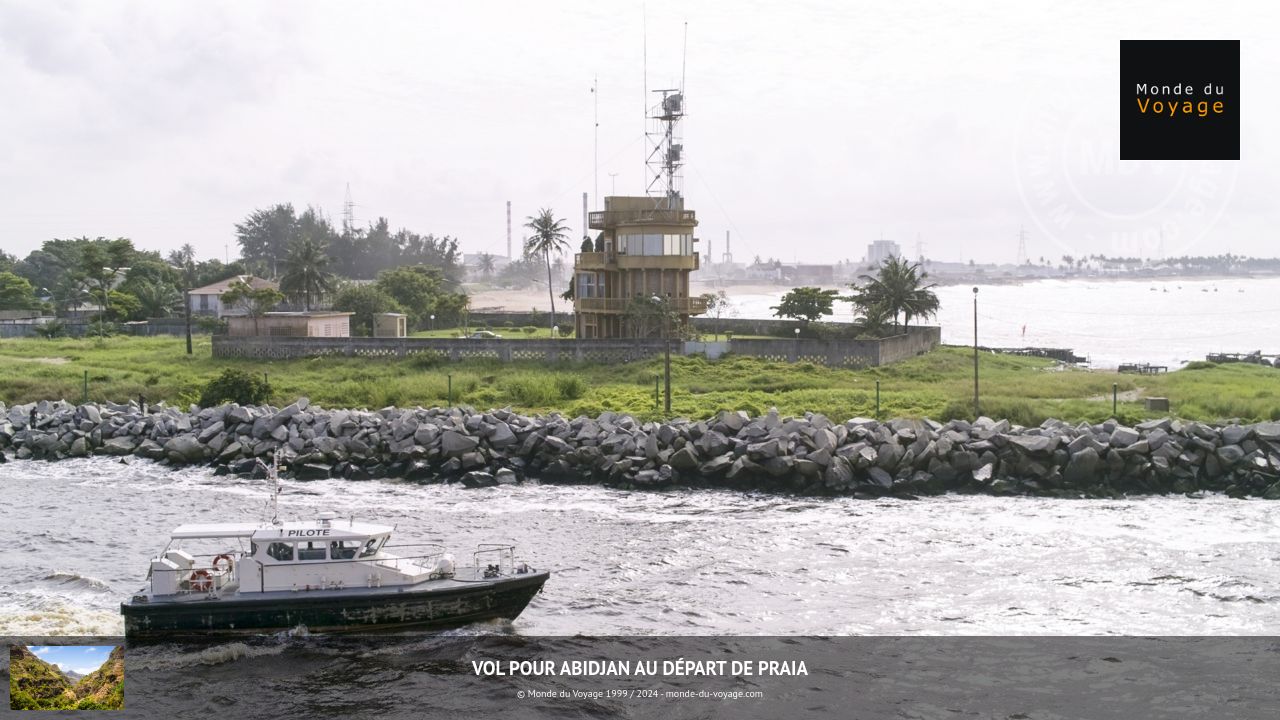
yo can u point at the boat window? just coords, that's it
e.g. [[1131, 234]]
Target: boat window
[[343, 549], [310, 552], [280, 551], [371, 547]]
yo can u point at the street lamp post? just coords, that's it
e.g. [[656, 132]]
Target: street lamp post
[[666, 354], [976, 412], [796, 347], [433, 323]]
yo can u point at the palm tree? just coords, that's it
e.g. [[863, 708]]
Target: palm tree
[[486, 264], [306, 273], [549, 235], [896, 289], [159, 300], [182, 257]]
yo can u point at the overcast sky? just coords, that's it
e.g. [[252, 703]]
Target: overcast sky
[[813, 127]]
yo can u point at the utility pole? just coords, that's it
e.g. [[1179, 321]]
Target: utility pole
[[187, 308], [509, 257], [664, 304]]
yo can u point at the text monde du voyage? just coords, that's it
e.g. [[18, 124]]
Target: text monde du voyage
[[1180, 100]]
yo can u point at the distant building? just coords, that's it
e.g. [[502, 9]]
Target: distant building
[[207, 300], [292, 324], [809, 274], [647, 251], [880, 250], [769, 270]]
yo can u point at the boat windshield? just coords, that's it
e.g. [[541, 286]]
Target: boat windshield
[[372, 546], [343, 549]]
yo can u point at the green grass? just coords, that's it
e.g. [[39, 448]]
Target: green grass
[[937, 385]]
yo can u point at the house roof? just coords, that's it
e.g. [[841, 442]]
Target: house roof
[[222, 286]]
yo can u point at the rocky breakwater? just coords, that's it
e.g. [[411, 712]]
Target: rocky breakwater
[[809, 454]]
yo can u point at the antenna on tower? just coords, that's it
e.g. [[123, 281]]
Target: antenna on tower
[[1022, 245], [595, 97], [348, 213]]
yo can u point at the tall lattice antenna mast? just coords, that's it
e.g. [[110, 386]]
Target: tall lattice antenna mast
[[1022, 246], [348, 213]]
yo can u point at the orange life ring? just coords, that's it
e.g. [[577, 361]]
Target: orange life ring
[[201, 581], [230, 562]]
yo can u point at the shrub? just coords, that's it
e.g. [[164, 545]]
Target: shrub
[[1200, 365], [570, 387], [50, 330], [101, 328], [236, 386], [211, 325], [528, 330]]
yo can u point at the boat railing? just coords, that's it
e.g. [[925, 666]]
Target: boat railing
[[498, 552]]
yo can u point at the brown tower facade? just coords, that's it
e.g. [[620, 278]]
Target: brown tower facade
[[644, 250]]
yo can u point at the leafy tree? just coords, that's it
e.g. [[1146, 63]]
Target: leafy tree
[[208, 272], [122, 306], [651, 316], [264, 236], [897, 289], [365, 301], [7, 261], [549, 236], [806, 304], [717, 306], [306, 273], [255, 302], [420, 291], [101, 263], [16, 293]]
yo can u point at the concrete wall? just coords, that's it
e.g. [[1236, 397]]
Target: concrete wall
[[836, 353]]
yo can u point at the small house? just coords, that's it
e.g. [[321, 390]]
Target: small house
[[207, 300]]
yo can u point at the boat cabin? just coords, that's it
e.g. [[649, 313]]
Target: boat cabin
[[325, 553]]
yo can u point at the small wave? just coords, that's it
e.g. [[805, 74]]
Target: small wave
[[75, 580], [62, 621], [164, 658]]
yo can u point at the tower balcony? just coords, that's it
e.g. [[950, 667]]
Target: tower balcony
[[615, 261], [680, 305]]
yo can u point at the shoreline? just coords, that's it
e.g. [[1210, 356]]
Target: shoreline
[[498, 300], [810, 455]]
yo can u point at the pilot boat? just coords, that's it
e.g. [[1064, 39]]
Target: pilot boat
[[327, 574]]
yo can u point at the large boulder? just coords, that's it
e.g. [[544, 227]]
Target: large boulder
[[455, 444], [184, 449]]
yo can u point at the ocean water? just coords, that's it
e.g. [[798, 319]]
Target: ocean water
[[1162, 322], [693, 562]]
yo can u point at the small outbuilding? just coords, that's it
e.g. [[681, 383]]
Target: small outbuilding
[[320, 324], [392, 325]]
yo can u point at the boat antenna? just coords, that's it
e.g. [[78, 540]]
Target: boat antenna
[[274, 474]]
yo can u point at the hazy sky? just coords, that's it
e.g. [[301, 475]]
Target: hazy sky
[[813, 127]]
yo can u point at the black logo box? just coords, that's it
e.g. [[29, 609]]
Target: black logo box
[[1189, 65]]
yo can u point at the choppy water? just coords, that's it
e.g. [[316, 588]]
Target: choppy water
[[1163, 322], [78, 534]]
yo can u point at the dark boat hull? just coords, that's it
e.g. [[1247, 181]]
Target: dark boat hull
[[350, 610]]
